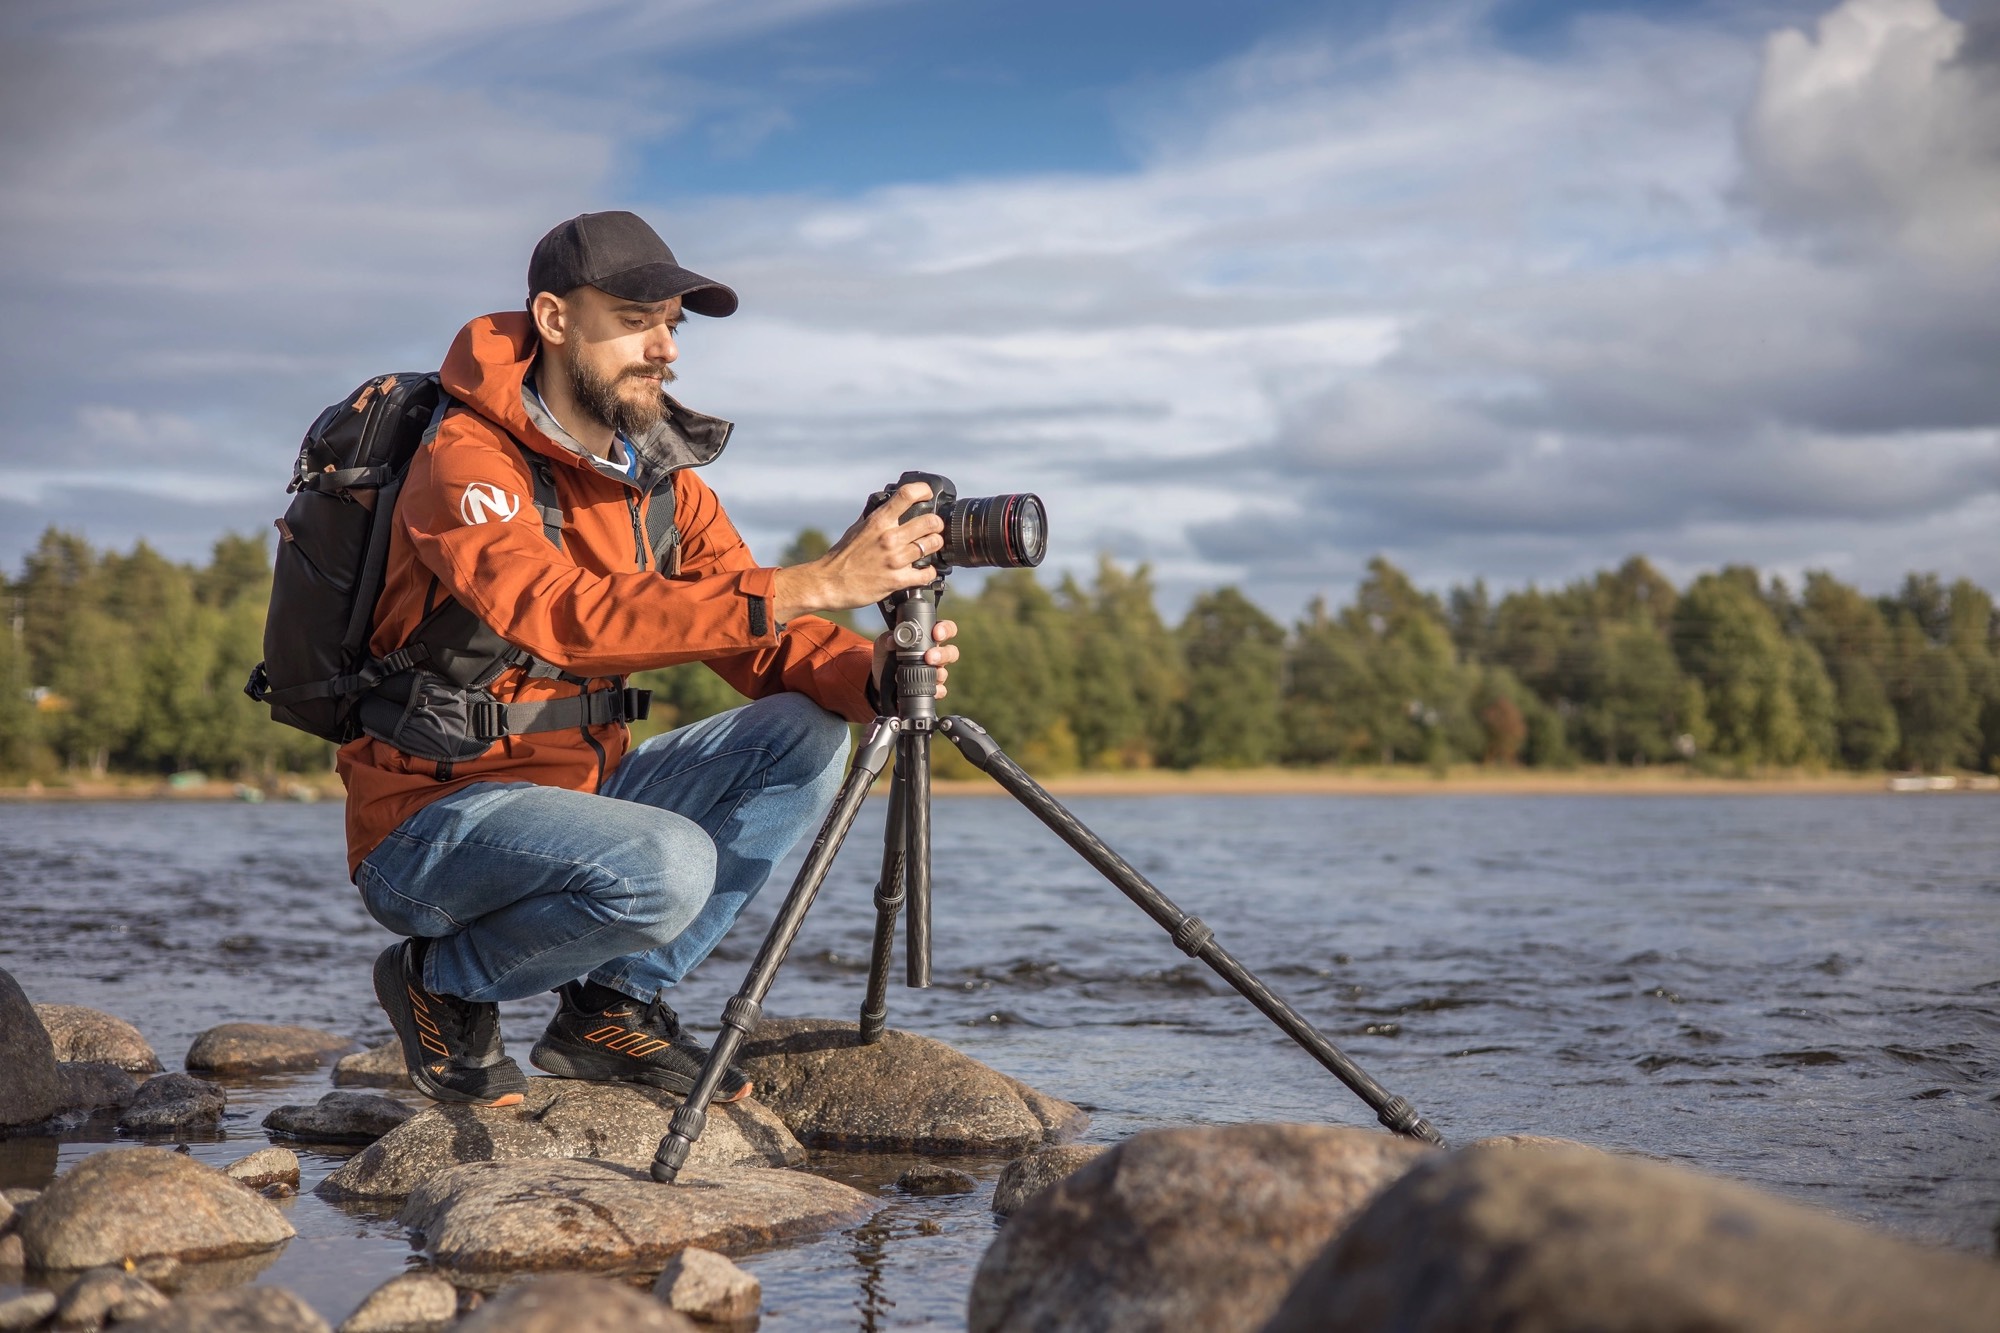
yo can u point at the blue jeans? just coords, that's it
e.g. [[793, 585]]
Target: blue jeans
[[521, 888]]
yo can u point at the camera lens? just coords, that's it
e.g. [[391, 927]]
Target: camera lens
[[1004, 531]]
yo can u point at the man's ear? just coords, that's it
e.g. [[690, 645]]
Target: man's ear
[[551, 316]]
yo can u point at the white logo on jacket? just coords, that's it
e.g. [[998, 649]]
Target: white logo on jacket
[[484, 502]]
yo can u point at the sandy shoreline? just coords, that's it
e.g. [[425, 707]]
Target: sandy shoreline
[[1466, 780]]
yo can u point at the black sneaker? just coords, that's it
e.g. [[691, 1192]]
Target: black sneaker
[[451, 1046], [600, 1035]]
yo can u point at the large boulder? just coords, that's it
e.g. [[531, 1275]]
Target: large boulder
[[340, 1117], [1564, 1241], [136, 1202], [91, 1036], [262, 1048], [573, 1303], [500, 1217], [615, 1122], [377, 1067], [1182, 1228], [904, 1093], [244, 1310], [31, 1089], [173, 1104], [1025, 1177]]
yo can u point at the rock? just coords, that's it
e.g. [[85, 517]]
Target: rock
[[173, 1104], [903, 1094], [262, 1048], [12, 1255], [26, 1310], [21, 1196], [32, 1090], [1025, 1177], [572, 1303], [1560, 1241], [340, 1117], [95, 1086], [378, 1067], [1526, 1142], [135, 1202], [703, 1285], [243, 1310], [1182, 1228], [91, 1036], [7, 1212], [408, 1303], [932, 1179], [107, 1295], [496, 1217], [614, 1122], [267, 1166]]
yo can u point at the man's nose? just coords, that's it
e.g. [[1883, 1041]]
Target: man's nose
[[662, 348]]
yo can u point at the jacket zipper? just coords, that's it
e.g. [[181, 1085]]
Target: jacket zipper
[[638, 529]]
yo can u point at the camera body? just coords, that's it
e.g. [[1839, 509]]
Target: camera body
[[991, 531]]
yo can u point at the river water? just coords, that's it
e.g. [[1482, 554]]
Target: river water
[[1799, 992]]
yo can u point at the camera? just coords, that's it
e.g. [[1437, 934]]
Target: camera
[[990, 531]]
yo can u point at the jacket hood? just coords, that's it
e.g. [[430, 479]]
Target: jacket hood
[[487, 370]]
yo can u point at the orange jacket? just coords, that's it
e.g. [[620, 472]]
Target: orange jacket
[[595, 608]]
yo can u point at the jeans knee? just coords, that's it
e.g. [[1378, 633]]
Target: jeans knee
[[809, 743], [659, 878]]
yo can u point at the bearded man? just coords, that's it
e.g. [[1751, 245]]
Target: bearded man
[[558, 856]]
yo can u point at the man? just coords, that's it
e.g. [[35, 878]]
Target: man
[[551, 858]]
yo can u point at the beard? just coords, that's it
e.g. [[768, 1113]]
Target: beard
[[603, 400]]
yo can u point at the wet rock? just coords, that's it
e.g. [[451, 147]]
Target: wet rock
[[267, 1166], [104, 1296], [262, 1048], [31, 1089], [703, 1285], [173, 1104], [496, 1217], [409, 1303], [905, 1093], [378, 1067], [572, 1303], [340, 1117], [96, 1086], [136, 1202], [931, 1179], [1025, 1177], [26, 1310], [244, 1310], [91, 1036], [12, 1255], [1557, 1241], [614, 1122], [1182, 1228]]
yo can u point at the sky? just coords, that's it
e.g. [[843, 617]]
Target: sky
[[1250, 292]]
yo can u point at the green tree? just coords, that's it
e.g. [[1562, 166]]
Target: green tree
[[1016, 673], [1730, 642], [1128, 672], [1235, 658]]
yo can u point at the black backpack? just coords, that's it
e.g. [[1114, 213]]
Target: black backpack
[[428, 696]]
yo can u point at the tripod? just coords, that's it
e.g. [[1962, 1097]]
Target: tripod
[[906, 879]]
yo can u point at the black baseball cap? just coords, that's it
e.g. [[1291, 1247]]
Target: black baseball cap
[[619, 254]]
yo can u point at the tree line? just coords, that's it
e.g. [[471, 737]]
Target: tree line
[[135, 663]]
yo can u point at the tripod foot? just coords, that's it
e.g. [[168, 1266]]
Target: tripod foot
[[873, 1025], [682, 1131]]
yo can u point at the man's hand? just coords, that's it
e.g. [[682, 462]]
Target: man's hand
[[872, 559], [939, 657]]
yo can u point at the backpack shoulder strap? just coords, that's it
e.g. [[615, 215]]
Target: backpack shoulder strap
[[661, 534], [542, 473]]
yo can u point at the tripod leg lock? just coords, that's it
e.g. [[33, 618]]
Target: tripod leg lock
[[1192, 935], [742, 1013]]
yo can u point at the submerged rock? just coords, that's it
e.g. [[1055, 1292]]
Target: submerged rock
[[703, 1285], [173, 1104], [244, 1310], [267, 1166], [105, 1296], [929, 1178], [31, 1089], [136, 1202], [340, 1117], [1182, 1228], [407, 1303], [378, 1067], [905, 1093], [26, 1310], [1562, 1241], [572, 1303], [262, 1048], [498, 1217], [560, 1118], [95, 1086], [1025, 1177], [91, 1036]]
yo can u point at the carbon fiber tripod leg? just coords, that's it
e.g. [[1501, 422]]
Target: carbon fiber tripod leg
[[889, 895]]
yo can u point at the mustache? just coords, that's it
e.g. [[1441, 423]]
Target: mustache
[[658, 374]]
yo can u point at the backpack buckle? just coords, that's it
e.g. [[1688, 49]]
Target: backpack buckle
[[488, 718], [638, 704]]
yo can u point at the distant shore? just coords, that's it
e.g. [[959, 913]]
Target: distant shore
[[1460, 780]]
